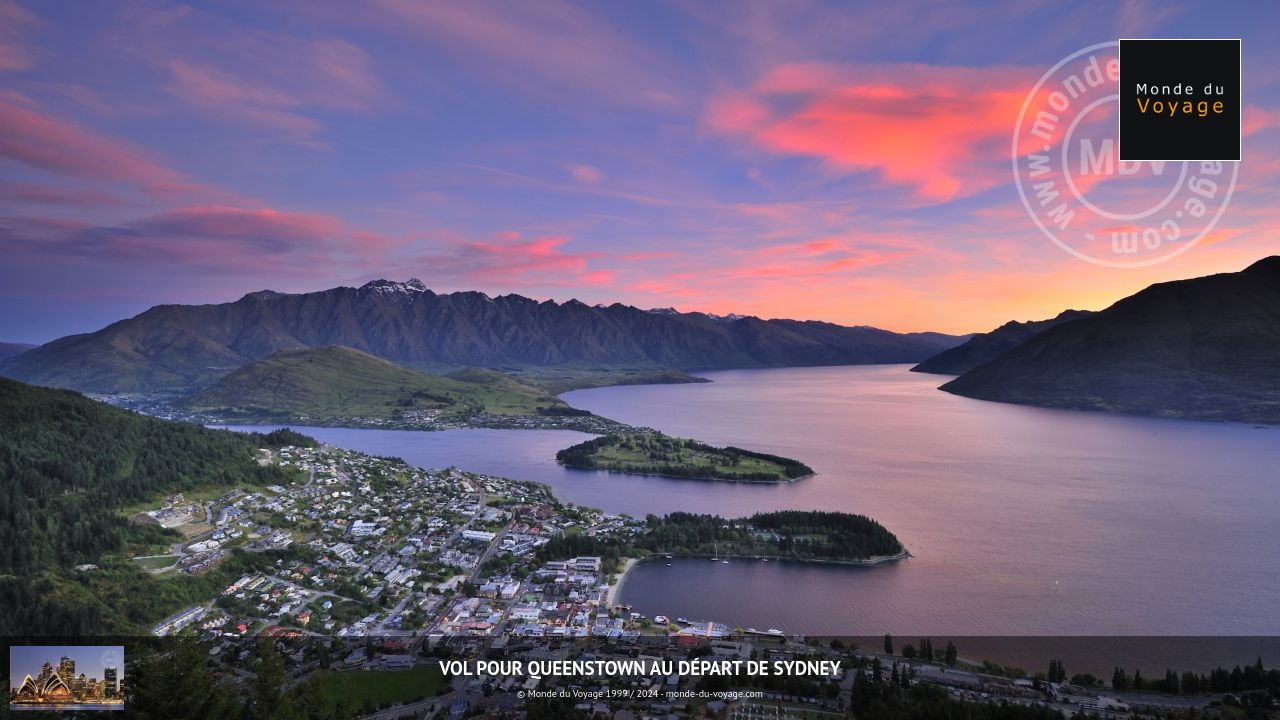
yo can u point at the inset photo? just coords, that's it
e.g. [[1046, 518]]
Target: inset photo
[[59, 678]]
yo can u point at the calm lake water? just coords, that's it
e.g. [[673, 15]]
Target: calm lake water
[[1021, 521]]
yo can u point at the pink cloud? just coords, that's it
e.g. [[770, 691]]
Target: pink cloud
[[735, 112], [816, 258], [512, 261], [231, 239], [585, 174], [233, 222], [598, 277], [276, 81], [1256, 119], [33, 194], [16, 24], [941, 131], [44, 142]]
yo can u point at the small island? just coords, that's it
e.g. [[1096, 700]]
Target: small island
[[648, 453]]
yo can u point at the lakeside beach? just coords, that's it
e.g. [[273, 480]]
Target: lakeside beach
[[613, 587]]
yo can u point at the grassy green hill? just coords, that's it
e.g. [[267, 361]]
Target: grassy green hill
[[338, 382], [656, 454], [68, 465]]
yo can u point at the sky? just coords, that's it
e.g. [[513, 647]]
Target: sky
[[27, 660], [836, 161]]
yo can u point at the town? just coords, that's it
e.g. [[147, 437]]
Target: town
[[369, 564], [373, 546]]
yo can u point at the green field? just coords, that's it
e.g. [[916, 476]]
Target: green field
[[340, 382], [657, 454], [563, 378], [156, 562], [376, 688]]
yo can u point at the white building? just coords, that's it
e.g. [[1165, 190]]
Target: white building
[[478, 536]]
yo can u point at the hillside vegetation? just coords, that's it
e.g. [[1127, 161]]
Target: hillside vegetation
[[656, 454], [809, 535], [68, 465], [337, 382]]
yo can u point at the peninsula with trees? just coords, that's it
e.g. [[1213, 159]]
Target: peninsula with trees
[[798, 535]]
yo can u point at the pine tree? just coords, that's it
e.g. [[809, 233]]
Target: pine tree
[[175, 683], [861, 694], [888, 644], [1119, 679], [951, 653], [266, 701]]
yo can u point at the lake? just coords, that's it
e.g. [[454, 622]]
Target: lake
[[1021, 521]]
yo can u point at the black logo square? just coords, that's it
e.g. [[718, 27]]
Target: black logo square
[[1180, 100]]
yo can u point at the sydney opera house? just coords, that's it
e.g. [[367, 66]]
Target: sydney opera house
[[51, 689], [59, 685]]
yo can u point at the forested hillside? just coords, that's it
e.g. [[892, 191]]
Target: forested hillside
[[792, 534], [67, 466]]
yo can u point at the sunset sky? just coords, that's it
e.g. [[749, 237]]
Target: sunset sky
[[783, 159]]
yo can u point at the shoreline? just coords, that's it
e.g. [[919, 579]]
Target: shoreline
[[872, 561], [582, 424], [862, 562], [612, 591], [780, 481]]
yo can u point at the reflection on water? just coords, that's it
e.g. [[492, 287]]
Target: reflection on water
[[1022, 521]]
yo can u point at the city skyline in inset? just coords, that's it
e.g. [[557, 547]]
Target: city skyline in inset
[[90, 660]]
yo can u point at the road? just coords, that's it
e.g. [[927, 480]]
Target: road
[[488, 552]]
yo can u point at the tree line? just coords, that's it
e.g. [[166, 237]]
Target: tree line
[[799, 534], [669, 456], [1219, 680], [68, 465], [802, 535]]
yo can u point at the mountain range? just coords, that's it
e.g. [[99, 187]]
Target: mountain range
[[188, 347], [1206, 348], [985, 347]]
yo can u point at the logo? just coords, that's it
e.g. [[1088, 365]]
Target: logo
[[1180, 99], [1089, 202]]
